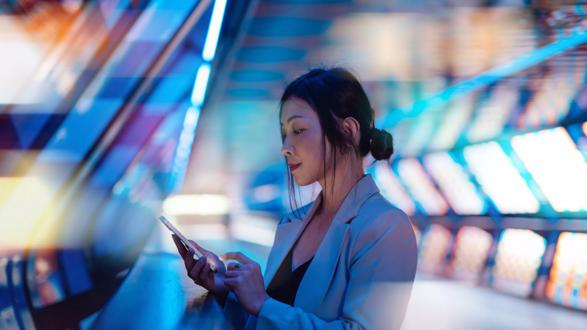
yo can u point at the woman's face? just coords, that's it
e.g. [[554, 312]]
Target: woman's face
[[302, 141]]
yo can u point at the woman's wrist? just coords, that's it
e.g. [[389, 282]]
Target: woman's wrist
[[221, 297], [259, 304]]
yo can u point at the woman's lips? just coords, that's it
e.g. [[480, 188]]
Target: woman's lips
[[293, 167]]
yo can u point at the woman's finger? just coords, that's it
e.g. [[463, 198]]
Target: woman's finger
[[232, 283], [243, 259], [233, 273], [206, 268], [187, 258], [180, 247], [195, 271], [233, 266]]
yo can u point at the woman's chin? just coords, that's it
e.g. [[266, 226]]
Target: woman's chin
[[302, 182]]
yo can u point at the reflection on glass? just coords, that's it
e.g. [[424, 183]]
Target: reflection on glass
[[46, 286]]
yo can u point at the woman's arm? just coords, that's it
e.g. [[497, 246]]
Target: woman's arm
[[234, 311], [381, 275]]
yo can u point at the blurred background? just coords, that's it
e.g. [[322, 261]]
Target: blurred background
[[115, 111]]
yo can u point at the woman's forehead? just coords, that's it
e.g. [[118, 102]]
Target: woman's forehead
[[296, 108]]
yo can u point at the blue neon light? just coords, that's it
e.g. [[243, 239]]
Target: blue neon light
[[486, 78], [200, 85], [184, 146], [214, 30]]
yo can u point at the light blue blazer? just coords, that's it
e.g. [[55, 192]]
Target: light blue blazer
[[361, 275]]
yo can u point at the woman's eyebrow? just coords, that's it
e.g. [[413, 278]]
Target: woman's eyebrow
[[292, 118]]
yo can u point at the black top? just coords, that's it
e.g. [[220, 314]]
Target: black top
[[285, 283]]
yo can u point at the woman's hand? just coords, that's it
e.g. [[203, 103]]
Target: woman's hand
[[246, 281], [199, 270]]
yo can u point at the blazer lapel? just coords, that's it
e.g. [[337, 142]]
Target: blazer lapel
[[286, 235], [322, 268]]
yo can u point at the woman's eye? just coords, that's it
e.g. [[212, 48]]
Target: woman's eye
[[298, 131]]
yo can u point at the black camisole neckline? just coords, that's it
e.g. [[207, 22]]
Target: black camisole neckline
[[286, 281]]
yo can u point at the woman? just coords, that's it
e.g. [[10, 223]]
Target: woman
[[348, 259]]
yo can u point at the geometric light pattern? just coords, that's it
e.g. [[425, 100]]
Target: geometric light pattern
[[455, 118], [551, 103], [455, 184], [392, 189], [500, 179], [421, 188], [519, 254], [557, 166], [434, 245], [470, 253], [493, 114], [568, 275]]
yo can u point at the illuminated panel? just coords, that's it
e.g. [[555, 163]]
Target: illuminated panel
[[472, 247], [392, 189], [454, 184], [493, 114], [500, 179], [457, 115], [434, 245], [519, 254], [552, 102], [557, 167], [412, 173], [421, 131], [568, 276]]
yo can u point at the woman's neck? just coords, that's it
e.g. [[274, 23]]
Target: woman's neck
[[337, 185]]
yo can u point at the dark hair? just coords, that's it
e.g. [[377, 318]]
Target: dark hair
[[336, 94]]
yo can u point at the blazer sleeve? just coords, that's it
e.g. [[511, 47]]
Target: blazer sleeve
[[234, 312], [382, 269]]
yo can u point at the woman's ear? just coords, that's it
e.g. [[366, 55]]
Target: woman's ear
[[352, 129]]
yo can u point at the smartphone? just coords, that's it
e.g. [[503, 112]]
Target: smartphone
[[189, 245]]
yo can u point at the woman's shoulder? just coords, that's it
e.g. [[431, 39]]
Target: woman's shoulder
[[377, 207], [377, 217]]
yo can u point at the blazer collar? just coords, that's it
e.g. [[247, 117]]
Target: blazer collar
[[329, 250], [363, 189]]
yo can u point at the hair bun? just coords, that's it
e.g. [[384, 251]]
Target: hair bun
[[381, 144]]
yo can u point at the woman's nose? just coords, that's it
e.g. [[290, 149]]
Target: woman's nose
[[286, 149]]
